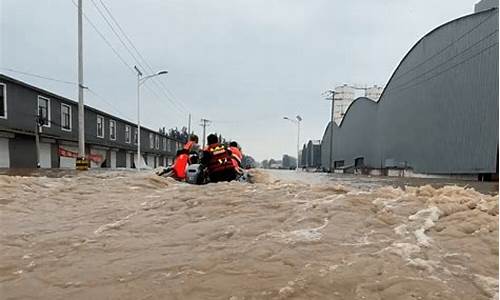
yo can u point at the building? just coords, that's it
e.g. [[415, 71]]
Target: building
[[111, 142], [374, 92], [311, 155], [344, 96], [438, 114], [303, 157], [288, 162]]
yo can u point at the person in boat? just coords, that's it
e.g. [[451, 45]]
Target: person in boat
[[217, 160], [236, 156], [185, 156]]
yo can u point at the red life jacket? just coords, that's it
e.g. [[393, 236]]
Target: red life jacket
[[182, 160], [236, 156], [220, 159], [180, 165]]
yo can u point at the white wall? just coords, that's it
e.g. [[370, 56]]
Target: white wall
[[68, 162], [45, 157], [113, 159], [4, 153], [128, 159]]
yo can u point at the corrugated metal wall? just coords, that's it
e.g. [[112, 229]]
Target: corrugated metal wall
[[438, 113]]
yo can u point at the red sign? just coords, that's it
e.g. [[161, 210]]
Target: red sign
[[97, 158]]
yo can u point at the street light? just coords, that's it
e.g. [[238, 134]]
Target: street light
[[297, 121], [140, 81]]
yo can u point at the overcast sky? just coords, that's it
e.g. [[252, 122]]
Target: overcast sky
[[242, 64]]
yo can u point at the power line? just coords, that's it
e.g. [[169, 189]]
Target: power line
[[113, 49], [119, 112], [105, 40], [161, 87], [39, 76], [136, 50]]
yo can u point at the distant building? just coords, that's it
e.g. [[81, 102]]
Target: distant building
[[303, 157], [374, 92], [344, 96], [110, 142], [312, 154], [288, 162]]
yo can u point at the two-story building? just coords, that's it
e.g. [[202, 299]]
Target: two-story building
[[110, 141]]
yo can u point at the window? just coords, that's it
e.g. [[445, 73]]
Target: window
[[164, 144], [3, 101], [127, 134], [169, 145], [338, 164], [135, 136], [112, 130], [44, 110], [65, 117], [157, 142], [151, 141], [100, 126]]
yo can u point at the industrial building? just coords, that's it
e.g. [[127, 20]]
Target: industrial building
[[310, 156], [438, 113], [109, 141], [288, 162]]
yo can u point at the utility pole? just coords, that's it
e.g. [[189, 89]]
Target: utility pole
[[331, 97], [81, 162], [138, 164], [204, 124], [189, 125], [39, 123], [297, 121]]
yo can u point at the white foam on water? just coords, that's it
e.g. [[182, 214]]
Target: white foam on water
[[308, 234], [422, 264], [299, 235], [488, 285], [427, 218], [404, 250], [401, 230], [114, 225]]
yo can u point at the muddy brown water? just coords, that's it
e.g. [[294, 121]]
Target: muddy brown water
[[128, 235]]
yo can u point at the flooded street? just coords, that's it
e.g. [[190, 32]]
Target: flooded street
[[124, 235]]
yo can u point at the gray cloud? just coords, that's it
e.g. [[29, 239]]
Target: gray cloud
[[244, 64]]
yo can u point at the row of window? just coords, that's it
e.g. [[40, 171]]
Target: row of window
[[44, 113], [154, 140]]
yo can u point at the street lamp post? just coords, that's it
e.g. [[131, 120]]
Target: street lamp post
[[332, 119], [297, 121], [140, 81]]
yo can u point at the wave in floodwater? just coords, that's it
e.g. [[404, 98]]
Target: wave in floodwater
[[124, 235]]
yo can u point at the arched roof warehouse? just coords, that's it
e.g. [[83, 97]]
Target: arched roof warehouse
[[438, 114]]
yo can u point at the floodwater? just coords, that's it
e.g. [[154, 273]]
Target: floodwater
[[128, 235]]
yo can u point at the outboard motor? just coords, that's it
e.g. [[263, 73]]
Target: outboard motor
[[195, 174]]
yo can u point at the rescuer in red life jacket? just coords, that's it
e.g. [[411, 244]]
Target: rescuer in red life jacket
[[236, 155], [184, 156], [218, 161]]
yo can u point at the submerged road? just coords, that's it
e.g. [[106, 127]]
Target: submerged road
[[124, 235]]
